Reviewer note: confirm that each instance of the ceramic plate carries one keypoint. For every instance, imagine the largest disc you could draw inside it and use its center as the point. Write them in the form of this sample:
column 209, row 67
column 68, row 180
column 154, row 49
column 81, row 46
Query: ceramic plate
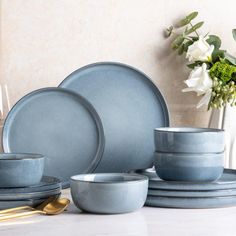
column 27, row 202
column 33, row 195
column 178, row 202
column 130, row 107
column 227, row 181
column 47, row 183
column 186, row 193
column 59, row 124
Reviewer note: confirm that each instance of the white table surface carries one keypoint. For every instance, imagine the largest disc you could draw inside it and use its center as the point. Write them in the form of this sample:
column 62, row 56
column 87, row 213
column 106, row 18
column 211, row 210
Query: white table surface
column 147, row 221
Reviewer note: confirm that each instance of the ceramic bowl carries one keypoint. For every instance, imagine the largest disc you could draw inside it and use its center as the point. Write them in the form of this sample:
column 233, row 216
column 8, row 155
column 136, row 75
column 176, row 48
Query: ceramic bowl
column 20, row 170
column 189, row 140
column 109, row 193
column 189, row 166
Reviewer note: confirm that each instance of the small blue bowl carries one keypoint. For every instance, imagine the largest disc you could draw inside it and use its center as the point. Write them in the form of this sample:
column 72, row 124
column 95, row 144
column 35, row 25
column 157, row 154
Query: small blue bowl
column 109, row 193
column 20, row 169
column 189, row 140
column 189, row 167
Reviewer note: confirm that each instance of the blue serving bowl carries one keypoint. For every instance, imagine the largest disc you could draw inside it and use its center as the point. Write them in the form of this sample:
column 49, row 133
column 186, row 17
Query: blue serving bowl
column 194, row 167
column 20, row 169
column 109, row 193
column 189, row 140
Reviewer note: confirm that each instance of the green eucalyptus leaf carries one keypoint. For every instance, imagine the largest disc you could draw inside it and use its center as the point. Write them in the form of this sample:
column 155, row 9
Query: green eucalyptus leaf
column 192, row 15
column 217, row 55
column 234, row 34
column 181, row 49
column 177, row 42
column 193, row 65
column 214, row 40
column 187, row 19
column 230, row 58
column 186, row 45
column 194, row 38
column 168, row 31
column 195, row 27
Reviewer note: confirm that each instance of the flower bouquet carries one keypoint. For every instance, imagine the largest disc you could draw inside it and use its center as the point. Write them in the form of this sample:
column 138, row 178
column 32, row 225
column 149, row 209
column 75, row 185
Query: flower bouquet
column 213, row 74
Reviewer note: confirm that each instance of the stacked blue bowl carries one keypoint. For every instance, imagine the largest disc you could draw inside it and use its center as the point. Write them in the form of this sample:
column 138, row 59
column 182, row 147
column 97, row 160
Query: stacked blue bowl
column 189, row 154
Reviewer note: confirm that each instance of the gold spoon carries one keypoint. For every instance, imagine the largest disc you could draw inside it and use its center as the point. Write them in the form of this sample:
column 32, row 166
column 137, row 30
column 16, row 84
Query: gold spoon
column 49, row 207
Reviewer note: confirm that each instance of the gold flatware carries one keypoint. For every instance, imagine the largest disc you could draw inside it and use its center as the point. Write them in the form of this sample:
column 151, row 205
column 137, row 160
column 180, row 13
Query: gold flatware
column 49, row 207
column 41, row 206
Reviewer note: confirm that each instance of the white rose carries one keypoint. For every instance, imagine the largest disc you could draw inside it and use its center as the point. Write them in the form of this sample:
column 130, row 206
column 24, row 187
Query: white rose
column 199, row 81
column 200, row 50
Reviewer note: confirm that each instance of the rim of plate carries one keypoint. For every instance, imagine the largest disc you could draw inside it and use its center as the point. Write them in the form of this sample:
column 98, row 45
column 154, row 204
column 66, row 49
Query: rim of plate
column 163, row 103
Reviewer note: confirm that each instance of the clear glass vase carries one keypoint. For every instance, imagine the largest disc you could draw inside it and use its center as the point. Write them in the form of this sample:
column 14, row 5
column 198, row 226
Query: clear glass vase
column 225, row 118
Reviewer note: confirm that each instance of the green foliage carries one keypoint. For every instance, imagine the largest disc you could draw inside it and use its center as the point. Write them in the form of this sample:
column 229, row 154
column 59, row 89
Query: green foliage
column 193, row 65
column 187, row 19
column 221, row 65
column 222, row 94
column 195, row 27
column 217, row 54
column 177, row 42
column 222, row 71
column 214, row 40
column 183, row 40
column 186, row 45
column 168, row 31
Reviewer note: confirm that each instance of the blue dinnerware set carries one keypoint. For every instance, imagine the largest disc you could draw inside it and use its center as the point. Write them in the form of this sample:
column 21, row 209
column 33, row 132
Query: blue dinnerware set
column 93, row 132
column 189, row 169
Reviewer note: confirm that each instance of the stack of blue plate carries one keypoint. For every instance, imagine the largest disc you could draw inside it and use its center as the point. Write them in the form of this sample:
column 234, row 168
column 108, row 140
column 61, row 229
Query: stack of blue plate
column 173, row 194
column 30, row 196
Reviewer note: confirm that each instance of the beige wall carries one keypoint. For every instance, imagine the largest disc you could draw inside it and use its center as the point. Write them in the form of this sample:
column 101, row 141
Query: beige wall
column 42, row 41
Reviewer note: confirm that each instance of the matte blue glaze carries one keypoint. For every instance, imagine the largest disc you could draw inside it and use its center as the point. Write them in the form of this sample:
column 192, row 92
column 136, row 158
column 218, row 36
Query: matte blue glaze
column 26, row 202
column 59, row 124
column 32, row 195
column 189, row 166
column 227, row 181
column 109, row 193
column 47, row 183
column 178, row 202
column 20, row 170
column 130, row 107
column 189, row 140
column 189, row 193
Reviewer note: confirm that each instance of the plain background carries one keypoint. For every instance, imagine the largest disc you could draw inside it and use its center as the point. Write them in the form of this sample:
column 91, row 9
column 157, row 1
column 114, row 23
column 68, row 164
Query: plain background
column 42, row 41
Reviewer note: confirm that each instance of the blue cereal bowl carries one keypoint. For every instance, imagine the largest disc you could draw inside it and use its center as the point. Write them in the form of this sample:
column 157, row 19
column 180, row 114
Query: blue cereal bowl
column 20, row 169
column 189, row 167
column 189, row 140
column 109, row 193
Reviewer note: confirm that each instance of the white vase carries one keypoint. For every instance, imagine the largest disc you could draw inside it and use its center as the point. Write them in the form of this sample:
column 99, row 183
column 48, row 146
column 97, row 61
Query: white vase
column 225, row 118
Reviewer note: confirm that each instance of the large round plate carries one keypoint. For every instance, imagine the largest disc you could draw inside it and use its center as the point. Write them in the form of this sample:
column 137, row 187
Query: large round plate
column 227, row 181
column 178, row 202
column 130, row 107
column 59, row 124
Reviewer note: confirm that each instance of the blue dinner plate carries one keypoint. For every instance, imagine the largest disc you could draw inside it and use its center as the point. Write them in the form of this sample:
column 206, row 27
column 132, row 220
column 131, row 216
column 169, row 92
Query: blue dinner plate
column 61, row 125
column 46, row 184
column 195, row 202
column 26, row 202
column 32, row 195
column 130, row 107
column 193, row 193
column 227, row 181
